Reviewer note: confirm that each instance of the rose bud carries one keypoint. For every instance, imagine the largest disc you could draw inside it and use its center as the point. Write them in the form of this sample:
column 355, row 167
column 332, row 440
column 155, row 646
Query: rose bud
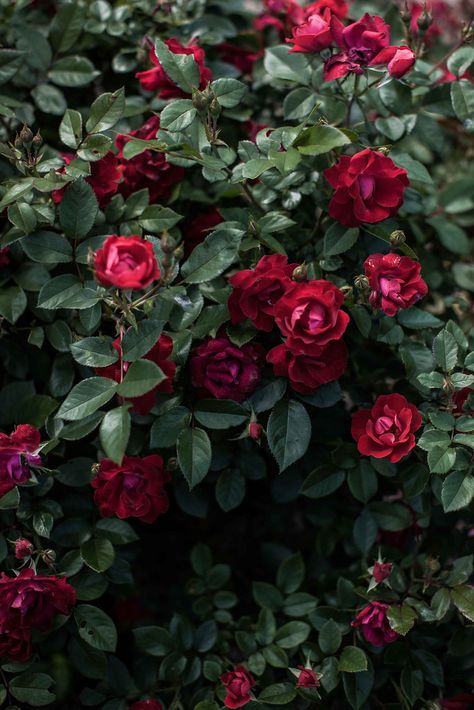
column 399, row 60
column 381, row 570
column 373, row 623
column 23, row 548
column 238, row 684
column 308, row 678
column 255, row 431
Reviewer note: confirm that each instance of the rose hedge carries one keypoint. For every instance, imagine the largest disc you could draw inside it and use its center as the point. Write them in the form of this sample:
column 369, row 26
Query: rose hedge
column 237, row 322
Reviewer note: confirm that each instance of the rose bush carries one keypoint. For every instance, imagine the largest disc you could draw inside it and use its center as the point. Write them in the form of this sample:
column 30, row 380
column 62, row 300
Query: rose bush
column 237, row 327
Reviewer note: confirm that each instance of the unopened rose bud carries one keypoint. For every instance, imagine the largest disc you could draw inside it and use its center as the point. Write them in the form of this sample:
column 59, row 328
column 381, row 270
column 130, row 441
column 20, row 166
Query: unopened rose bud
column 48, row 557
column 425, row 21
column 26, row 135
column 200, row 100
column 432, row 565
column 168, row 243
column 300, row 273
column 383, row 149
column 381, row 571
column 95, row 468
column 361, row 282
column 172, row 464
column 397, row 238
column 214, row 107
column 255, row 431
column 348, row 292
column 37, row 139
column 23, row 548
column 179, row 252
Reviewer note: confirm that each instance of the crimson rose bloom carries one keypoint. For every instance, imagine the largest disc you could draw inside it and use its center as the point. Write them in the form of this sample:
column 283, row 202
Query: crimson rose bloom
column 399, row 60
column 360, row 42
column 126, row 262
column 238, row 684
column 18, row 451
column 224, row 370
column 381, row 570
column 256, row 291
column 280, row 14
column 196, row 228
column 159, row 354
column 339, row 8
column 149, row 704
column 149, row 169
column 157, row 79
column 16, row 644
column 307, row 678
column 386, row 430
column 369, row 188
column 463, row 701
column 310, row 314
column 133, row 489
column 313, row 35
column 308, row 371
column 374, row 624
column 104, row 178
column 395, row 282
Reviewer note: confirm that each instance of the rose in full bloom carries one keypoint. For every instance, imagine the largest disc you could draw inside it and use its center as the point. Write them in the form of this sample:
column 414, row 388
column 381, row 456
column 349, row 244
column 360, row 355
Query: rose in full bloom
column 381, row 570
column 359, row 42
column 126, row 262
column 368, row 187
column 133, row 489
column 23, row 548
column 159, row 354
column 196, row 227
column 313, row 35
column 339, row 8
column 373, row 623
column 15, row 644
column 256, row 291
column 399, row 60
column 148, row 170
column 309, row 314
column 462, row 701
column 18, row 451
column 104, row 178
column 32, row 601
column 388, row 429
column 238, row 684
column 308, row 371
column 308, row 678
column 395, row 282
column 223, row 370
column 157, row 79
column 149, row 704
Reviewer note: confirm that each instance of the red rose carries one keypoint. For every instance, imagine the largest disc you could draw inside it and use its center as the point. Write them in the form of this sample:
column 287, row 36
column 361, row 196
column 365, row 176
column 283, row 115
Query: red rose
column 104, row 178
column 308, row 371
column 337, row 7
column 256, row 291
column 225, row 371
column 159, row 354
column 239, row 56
column 307, row 678
column 395, row 282
column 463, row 701
column 280, row 14
column 252, row 129
column 23, row 548
column 313, row 35
column 157, row 79
column 149, row 704
column 399, row 60
column 126, row 262
column 15, row 644
column 360, row 42
column 381, row 570
column 18, row 451
column 386, row 430
column 460, row 398
column 133, row 489
column 197, row 227
column 309, row 314
column 150, row 169
column 238, row 684
column 32, row 601
column 374, row 625
column 4, row 257
column 369, row 188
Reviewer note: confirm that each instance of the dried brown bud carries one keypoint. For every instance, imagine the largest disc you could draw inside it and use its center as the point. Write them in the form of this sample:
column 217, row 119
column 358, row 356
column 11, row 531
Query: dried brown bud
column 200, row 100
column 168, row 243
column 26, row 135
column 361, row 282
column 37, row 139
column 48, row 557
column 397, row 238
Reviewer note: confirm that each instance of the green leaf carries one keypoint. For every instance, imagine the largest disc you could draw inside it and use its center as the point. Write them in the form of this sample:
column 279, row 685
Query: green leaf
column 154, row 640
column 445, row 350
column 11, row 500
column 49, row 99
column 317, row 140
column 157, row 218
column 256, row 167
column 178, row 115
column 322, row 482
column 460, row 61
column 401, row 618
column 32, row 688
column 98, row 553
column 86, row 397
column 229, row 92
column 358, row 686
column 330, row 639
column 10, row 62
column 441, row 460
column 416, row 170
column 96, row 628
column 70, row 128
column 141, row 377
column 115, row 433
column 47, row 248
column 451, row 235
column 73, row 71
column 165, row 430
column 78, row 209
column 432, row 438
column 119, row 532
column 23, row 216
column 290, row 573
column 281, row 64
column 365, row 531
column 220, row 413
column 94, row 352
column 433, row 380
column 457, row 491
column 230, row 490
column 352, row 660
column 138, row 342
column 213, row 256
column 12, row 303
column 462, row 98
column 417, row 319
column 338, row 239
column 106, row 111
column 278, row 694
column 181, row 68
column 292, row 634
column 193, row 449
column 267, row 596
column 67, row 25
column 463, row 599
column 362, row 481
column 289, row 432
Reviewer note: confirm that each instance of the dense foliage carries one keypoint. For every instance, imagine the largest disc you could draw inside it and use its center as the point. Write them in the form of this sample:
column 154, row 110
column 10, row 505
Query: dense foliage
column 237, row 327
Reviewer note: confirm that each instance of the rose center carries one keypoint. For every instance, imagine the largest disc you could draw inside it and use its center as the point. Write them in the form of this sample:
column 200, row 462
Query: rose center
column 366, row 186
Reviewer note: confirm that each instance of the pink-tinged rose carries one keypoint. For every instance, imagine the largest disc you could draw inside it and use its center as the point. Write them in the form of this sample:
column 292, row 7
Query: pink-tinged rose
column 313, row 35
column 395, row 282
column 238, row 684
column 381, row 570
column 126, row 262
column 387, row 430
column 148, row 170
column 198, row 225
column 256, row 291
column 23, row 548
column 339, row 8
column 308, row 371
column 368, row 186
column 149, row 704
column 221, row 369
column 15, row 644
column 308, row 678
column 309, row 314
column 399, row 60
column 359, row 42
column 133, row 489
column 104, row 179
column 462, row 701
column 373, row 623
column 255, row 431
column 18, row 451
column 157, row 79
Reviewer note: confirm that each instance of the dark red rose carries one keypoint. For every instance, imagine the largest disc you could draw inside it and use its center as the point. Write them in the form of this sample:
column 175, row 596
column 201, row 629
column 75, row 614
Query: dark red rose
column 15, row 644
column 308, row 371
column 307, row 678
column 150, row 169
column 374, row 625
column 238, row 684
column 255, row 431
column 399, row 60
column 225, row 371
column 463, row 701
column 460, row 398
column 104, row 178
column 18, row 451
column 32, row 601
column 157, row 79
column 23, row 548
column 395, row 282
column 368, row 187
column 337, row 7
column 313, row 35
column 386, row 430
column 360, row 42
column 196, row 227
column 126, row 262
column 149, row 704
column 159, row 354
column 309, row 314
column 4, row 257
column 239, row 56
column 133, row 489
column 381, row 570
column 256, row 291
